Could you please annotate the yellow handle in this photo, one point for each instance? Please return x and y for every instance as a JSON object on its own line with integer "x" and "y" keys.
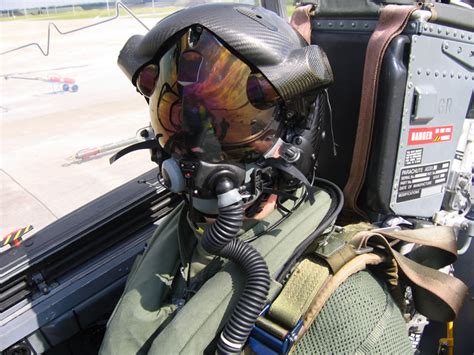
{"x": 448, "y": 342}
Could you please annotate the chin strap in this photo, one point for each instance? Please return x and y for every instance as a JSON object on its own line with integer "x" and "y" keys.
{"x": 280, "y": 164}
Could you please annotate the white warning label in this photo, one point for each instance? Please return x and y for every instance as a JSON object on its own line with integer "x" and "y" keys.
{"x": 420, "y": 181}
{"x": 413, "y": 156}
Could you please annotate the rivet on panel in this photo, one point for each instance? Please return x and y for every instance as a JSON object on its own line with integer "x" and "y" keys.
{"x": 452, "y": 75}
{"x": 444, "y": 74}
{"x": 455, "y": 33}
{"x": 353, "y": 24}
{"x": 341, "y": 24}
{"x": 418, "y": 71}
{"x": 428, "y": 72}
{"x": 425, "y": 27}
{"x": 445, "y": 45}
{"x": 330, "y": 24}
{"x": 447, "y": 32}
{"x": 410, "y": 85}
{"x": 459, "y": 76}
{"x": 462, "y": 34}
{"x": 459, "y": 50}
{"x": 466, "y": 76}
{"x": 318, "y": 24}
{"x": 366, "y": 25}
{"x": 431, "y": 28}
{"x": 439, "y": 30}
{"x": 436, "y": 73}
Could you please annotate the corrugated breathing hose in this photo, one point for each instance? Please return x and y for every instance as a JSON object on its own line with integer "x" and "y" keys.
{"x": 220, "y": 239}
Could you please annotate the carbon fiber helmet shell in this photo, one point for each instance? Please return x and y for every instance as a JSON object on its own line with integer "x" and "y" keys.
{"x": 258, "y": 36}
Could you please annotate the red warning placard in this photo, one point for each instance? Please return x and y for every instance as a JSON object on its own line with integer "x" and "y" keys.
{"x": 428, "y": 135}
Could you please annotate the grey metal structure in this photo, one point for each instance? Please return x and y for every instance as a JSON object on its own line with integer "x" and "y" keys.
{"x": 73, "y": 302}
{"x": 424, "y": 94}
{"x": 438, "y": 91}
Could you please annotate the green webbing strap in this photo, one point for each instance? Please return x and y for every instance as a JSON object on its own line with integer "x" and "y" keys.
{"x": 295, "y": 298}
{"x": 436, "y": 295}
{"x": 272, "y": 328}
{"x": 315, "y": 279}
{"x": 340, "y": 257}
{"x": 308, "y": 278}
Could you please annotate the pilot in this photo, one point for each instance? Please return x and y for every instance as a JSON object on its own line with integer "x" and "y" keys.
{"x": 237, "y": 102}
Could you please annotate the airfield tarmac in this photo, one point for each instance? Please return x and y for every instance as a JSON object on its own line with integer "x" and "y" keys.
{"x": 42, "y": 126}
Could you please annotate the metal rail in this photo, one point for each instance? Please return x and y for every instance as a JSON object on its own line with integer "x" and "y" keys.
{"x": 52, "y": 25}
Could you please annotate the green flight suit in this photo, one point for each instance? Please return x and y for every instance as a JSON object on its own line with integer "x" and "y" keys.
{"x": 150, "y": 317}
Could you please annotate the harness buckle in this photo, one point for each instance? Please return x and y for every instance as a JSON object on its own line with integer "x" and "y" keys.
{"x": 360, "y": 251}
{"x": 261, "y": 341}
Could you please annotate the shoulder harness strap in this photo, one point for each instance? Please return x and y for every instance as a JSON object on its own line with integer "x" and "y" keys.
{"x": 392, "y": 21}
{"x": 315, "y": 279}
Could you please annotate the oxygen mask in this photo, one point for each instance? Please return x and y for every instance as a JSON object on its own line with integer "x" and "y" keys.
{"x": 213, "y": 116}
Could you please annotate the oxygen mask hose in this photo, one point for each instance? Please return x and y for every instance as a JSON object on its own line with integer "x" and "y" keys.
{"x": 220, "y": 239}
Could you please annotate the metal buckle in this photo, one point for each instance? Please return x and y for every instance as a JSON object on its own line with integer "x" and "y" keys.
{"x": 329, "y": 245}
{"x": 365, "y": 250}
{"x": 263, "y": 342}
{"x": 368, "y": 249}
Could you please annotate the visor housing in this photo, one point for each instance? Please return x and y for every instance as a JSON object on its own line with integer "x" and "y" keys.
{"x": 207, "y": 104}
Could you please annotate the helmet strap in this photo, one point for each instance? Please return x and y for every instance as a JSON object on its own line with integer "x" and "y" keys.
{"x": 281, "y": 164}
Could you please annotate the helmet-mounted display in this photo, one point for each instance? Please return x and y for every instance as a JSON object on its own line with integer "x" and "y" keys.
{"x": 229, "y": 86}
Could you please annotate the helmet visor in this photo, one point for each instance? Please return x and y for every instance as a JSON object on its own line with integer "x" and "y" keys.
{"x": 207, "y": 103}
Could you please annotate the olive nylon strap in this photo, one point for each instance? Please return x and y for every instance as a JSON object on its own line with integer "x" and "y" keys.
{"x": 392, "y": 21}
{"x": 357, "y": 264}
{"x": 438, "y": 249}
{"x": 299, "y": 291}
{"x": 436, "y": 295}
